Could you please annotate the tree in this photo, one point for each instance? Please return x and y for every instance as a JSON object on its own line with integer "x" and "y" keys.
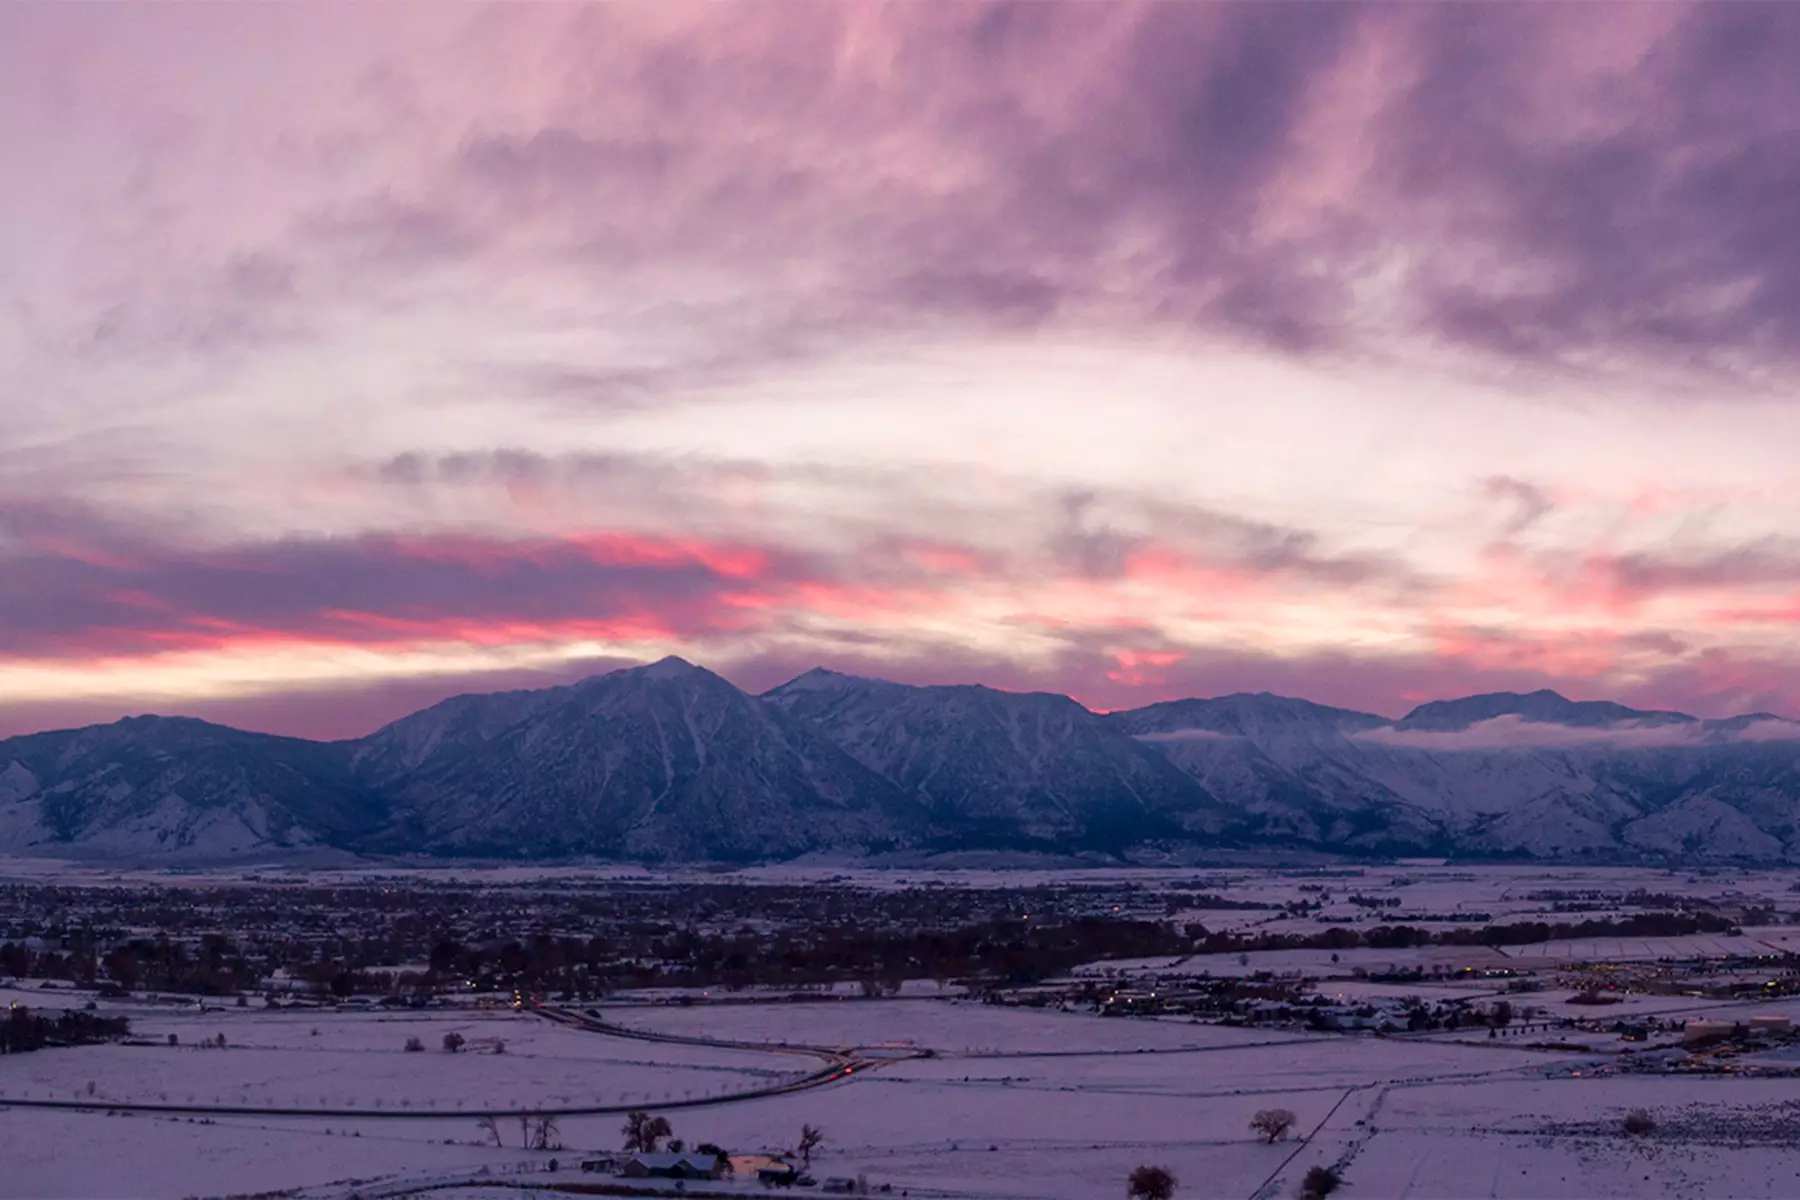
{"x": 1502, "y": 1014}
{"x": 453, "y": 1041}
{"x": 545, "y": 1135}
{"x": 644, "y": 1132}
{"x": 490, "y": 1127}
{"x": 1150, "y": 1183}
{"x": 810, "y": 1137}
{"x": 1273, "y": 1124}
{"x": 1318, "y": 1183}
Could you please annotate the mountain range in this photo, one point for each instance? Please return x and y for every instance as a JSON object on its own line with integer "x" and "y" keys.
{"x": 671, "y": 763}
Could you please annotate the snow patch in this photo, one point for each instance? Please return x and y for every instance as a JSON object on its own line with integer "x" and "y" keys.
{"x": 16, "y": 782}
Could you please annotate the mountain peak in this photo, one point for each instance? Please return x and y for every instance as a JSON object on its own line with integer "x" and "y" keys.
{"x": 820, "y": 677}
{"x": 671, "y": 667}
{"x": 1542, "y": 706}
{"x": 822, "y": 680}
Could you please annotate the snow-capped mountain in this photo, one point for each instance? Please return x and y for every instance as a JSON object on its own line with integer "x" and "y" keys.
{"x": 1006, "y": 767}
{"x": 1292, "y": 771}
{"x": 176, "y": 788}
{"x": 670, "y": 762}
{"x": 1504, "y": 773}
{"x": 667, "y": 761}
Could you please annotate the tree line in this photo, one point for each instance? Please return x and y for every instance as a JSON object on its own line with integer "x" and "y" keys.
{"x": 24, "y": 1030}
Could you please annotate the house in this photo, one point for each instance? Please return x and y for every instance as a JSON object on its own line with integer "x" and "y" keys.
{"x": 606, "y": 1164}
{"x": 1706, "y": 1031}
{"x": 778, "y": 1174}
{"x": 751, "y": 1166}
{"x": 672, "y": 1166}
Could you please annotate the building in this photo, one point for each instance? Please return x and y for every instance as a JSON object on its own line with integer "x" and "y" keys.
{"x": 1706, "y": 1031}
{"x": 751, "y": 1166}
{"x": 672, "y": 1166}
{"x": 1771, "y": 1024}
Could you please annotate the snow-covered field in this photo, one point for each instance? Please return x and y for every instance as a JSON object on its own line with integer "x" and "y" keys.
{"x": 1527, "y": 1141}
{"x": 953, "y": 1027}
{"x": 1015, "y": 1105}
{"x": 358, "y": 1060}
{"x": 1009, "y": 1103}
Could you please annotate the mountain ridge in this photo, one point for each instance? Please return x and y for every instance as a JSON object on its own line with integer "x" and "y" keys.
{"x": 669, "y": 762}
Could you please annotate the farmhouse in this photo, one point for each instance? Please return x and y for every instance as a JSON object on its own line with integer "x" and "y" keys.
{"x": 672, "y": 1166}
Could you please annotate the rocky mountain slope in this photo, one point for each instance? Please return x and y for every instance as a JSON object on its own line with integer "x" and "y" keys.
{"x": 1499, "y": 774}
{"x": 1007, "y": 768}
{"x": 670, "y": 762}
{"x": 661, "y": 762}
{"x": 178, "y": 788}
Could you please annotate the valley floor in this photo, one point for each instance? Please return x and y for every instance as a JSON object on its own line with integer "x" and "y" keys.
{"x": 1014, "y": 1105}
{"x": 943, "y": 1097}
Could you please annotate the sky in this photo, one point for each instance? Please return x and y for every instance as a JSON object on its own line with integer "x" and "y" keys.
{"x": 356, "y": 356}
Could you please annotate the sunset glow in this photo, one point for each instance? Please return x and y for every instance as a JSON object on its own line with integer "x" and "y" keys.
{"x": 1371, "y": 354}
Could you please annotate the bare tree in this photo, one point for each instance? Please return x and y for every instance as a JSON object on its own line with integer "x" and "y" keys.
{"x": 644, "y": 1132}
{"x": 1150, "y": 1183}
{"x": 542, "y": 1132}
{"x": 810, "y": 1137}
{"x": 490, "y": 1127}
{"x": 1273, "y": 1124}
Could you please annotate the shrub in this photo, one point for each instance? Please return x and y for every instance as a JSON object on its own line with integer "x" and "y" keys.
{"x": 1638, "y": 1123}
{"x": 1318, "y": 1183}
{"x": 453, "y": 1041}
{"x": 1150, "y": 1183}
{"x": 414, "y": 1046}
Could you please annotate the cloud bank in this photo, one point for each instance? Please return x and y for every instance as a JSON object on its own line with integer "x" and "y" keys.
{"x": 1367, "y": 353}
{"x": 1514, "y": 732}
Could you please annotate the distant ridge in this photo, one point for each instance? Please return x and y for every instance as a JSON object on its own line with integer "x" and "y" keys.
{"x": 669, "y": 762}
